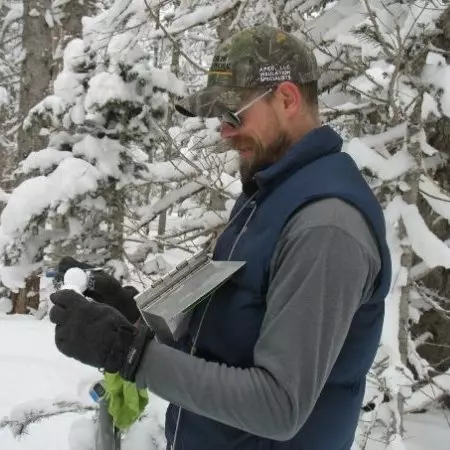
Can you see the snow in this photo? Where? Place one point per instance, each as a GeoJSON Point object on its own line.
{"type": "Point", "coordinates": [15, 13]}
{"type": "Point", "coordinates": [74, 54]}
{"type": "Point", "coordinates": [439, 75]}
{"type": "Point", "coordinates": [385, 168]}
{"type": "Point", "coordinates": [59, 3]}
{"type": "Point", "coordinates": [43, 160]}
{"type": "Point", "coordinates": [169, 171]}
{"type": "Point", "coordinates": [6, 305]}
{"type": "Point", "coordinates": [52, 104]}
{"type": "Point", "coordinates": [420, 16]}
{"type": "Point", "coordinates": [106, 87]}
{"type": "Point", "coordinates": [333, 17]}
{"type": "Point", "coordinates": [125, 15]}
{"type": "Point", "coordinates": [3, 196]}
{"type": "Point", "coordinates": [49, 20]}
{"type": "Point", "coordinates": [4, 96]}
{"type": "Point", "coordinates": [56, 378]}
{"type": "Point", "coordinates": [148, 213]}
{"type": "Point", "coordinates": [207, 220]}
{"type": "Point", "coordinates": [429, 106]}
{"type": "Point", "coordinates": [435, 59]}
{"type": "Point", "coordinates": [436, 198]}
{"type": "Point", "coordinates": [71, 178]}
{"type": "Point", "coordinates": [166, 80]}
{"type": "Point", "coordinates": [425, 244]}
{"type": "Point", "coordinates": [387, 136]}
{"type": "Point", "coordinates": [75, 279]}
{"type": "Point", "coordinates": [77, 113]}
{"type": "Point", "coordinates": [104, 153]}
{"type": "Point", "coordinates": [389, 337]}
{"type": "Point", "coordinates": [429, 393]}
{"type": "Point", "coordinates": [34, 13]}
{"type": "Point", "coordinates": [123, 49]}
{"type": "Point", "coordinates": [200, 15]}
{"type": "Point", "coordinates": [373, 78]}
{"type": "Point", "coordinates": [346, 24]}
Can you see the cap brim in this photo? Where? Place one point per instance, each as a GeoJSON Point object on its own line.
{"type": "Point", "coordinates": [211, 102]}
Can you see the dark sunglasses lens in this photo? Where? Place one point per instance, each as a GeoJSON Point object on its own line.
{"type": "Point", "coordinates": [231, 119]}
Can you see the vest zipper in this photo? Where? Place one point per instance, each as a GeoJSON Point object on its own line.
{"type": "Point", "coordinates": [243, 229]}
{"type": "Point", "coordinates": [251, 202]}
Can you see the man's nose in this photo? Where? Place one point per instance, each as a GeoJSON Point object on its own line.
{"type": "Point", "coordinates": [227, 131]}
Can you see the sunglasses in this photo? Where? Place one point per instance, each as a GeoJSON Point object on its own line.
{"type": "Point", "coordinates": [232, 118]}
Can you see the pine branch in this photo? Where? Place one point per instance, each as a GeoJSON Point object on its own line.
{"type": "Point", "coordinates": [376, 30]}
{"type": "Point", "coordinates": [173, 41]}
{"type": "Point", "coordinates": [21, 419]}
{"type": "Point", "coordinates": [424, 395]}
{"type": "Point", "coordinates": [197, 19]}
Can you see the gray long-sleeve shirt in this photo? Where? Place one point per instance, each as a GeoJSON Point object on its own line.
{"type": "Point", "coordinates": [323, 269]}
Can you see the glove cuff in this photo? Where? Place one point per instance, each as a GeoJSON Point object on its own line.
{"type": "Point", "coordinates": [133, 357]}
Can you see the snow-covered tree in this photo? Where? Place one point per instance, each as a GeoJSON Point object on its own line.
{"type": "Point", "coordinates": [106, 123]}
{"type": "Point", "coordinates": [10, 54]}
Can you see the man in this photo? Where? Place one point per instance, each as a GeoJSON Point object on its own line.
{"type": "Point", "coordinates": [277, 357]}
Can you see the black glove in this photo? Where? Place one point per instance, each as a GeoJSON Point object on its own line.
{"type": "Point", "coordinates": [103, 288]}
{"type": "Point", "coordinates": [96, 334]}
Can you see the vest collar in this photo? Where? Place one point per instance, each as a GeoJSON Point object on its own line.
{"type": "Point", "coordinates": [317, 143]}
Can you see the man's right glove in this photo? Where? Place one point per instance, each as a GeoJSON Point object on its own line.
{"type": "Point", "coordinates": [97, 335]}
{"type": "Point", "coordinates": [103, 288]}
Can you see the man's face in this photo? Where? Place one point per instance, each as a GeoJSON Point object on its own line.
{"type": "Point", "coordinates": [261, 139]}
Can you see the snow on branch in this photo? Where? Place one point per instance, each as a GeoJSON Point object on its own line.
{"type": "Point", "coordinates": [346, 109]}
{"type": "Point", "coordinates": [424, 242]}
{"type": "Point", "coordinates": [384, 138]}
{"type": "Point", "coordinates": [14, 14]}
{"type": "Point", "coordinates": [435, 197]}
{"type": "Point", "coordinates": [167, 171]}
{"type": "Point", "coordinates": [3, 196]}
{"type": "Point", "coordinates": [421, 269]}
{"type": "Point", "coordinates": [26, 414]}
{"type": "Point", "coordinates": [386, 169]}
{"type": "Point", "coordinates": [437, 387]}
{"type": "Point", "coordinates": [42, 160]}
{"type": "Point", "coordinates": [175, 196]}
{"type": "Point", "coordinates": [200, 16]}
{"type": "Point", "coordinates": [206, 223]}
{"type": "Point", "coordinates": [73, 177]}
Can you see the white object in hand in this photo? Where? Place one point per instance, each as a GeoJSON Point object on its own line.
{"type": "Point", "coordinates": [75, 279]}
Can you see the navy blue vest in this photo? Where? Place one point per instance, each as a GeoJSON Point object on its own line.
{"type": "Point", "coordinates": [314, 168]}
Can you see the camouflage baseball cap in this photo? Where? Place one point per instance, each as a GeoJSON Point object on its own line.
{"type": "Point", "coordinates": [253, 58]}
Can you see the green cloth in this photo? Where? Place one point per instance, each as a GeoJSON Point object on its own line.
{"type": "Point", "coordinates": [125, 401]}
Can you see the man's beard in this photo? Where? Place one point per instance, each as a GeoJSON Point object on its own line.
{"type": "Point", "coordinates": [262, 157]}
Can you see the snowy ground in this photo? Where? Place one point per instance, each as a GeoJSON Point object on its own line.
{"type": "Point", "coordinates": [32, 371]}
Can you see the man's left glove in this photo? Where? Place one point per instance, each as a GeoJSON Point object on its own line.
{"type": "Point", "coordinates": [103, 288]}
{"type": "Point", "coordinates": [97, 334]}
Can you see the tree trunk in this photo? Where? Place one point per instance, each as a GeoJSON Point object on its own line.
{"type": "Point", "coordinates": [115, 219]}
{"type": "Point", "coordinates": [35, 78]}
{"type": "Point", "coordinates": [36, 73]}
{"type": "Point", "coordinates": [6, 110]}
{"type": "Point", "coordinates": [71, 26]}
{"type": "Point", "coordinates": [174, 67]}
{"type": "Point", "coordinates": [27, 297]}
{"type": "Point", "coordinates": [411, 198]}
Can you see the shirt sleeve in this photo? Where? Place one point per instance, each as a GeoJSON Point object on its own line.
{"type": "Point", "coordinates": [320, 276]}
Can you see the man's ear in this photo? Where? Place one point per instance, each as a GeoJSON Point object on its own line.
{"type": "Point", "coordinates": [290, 97]}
